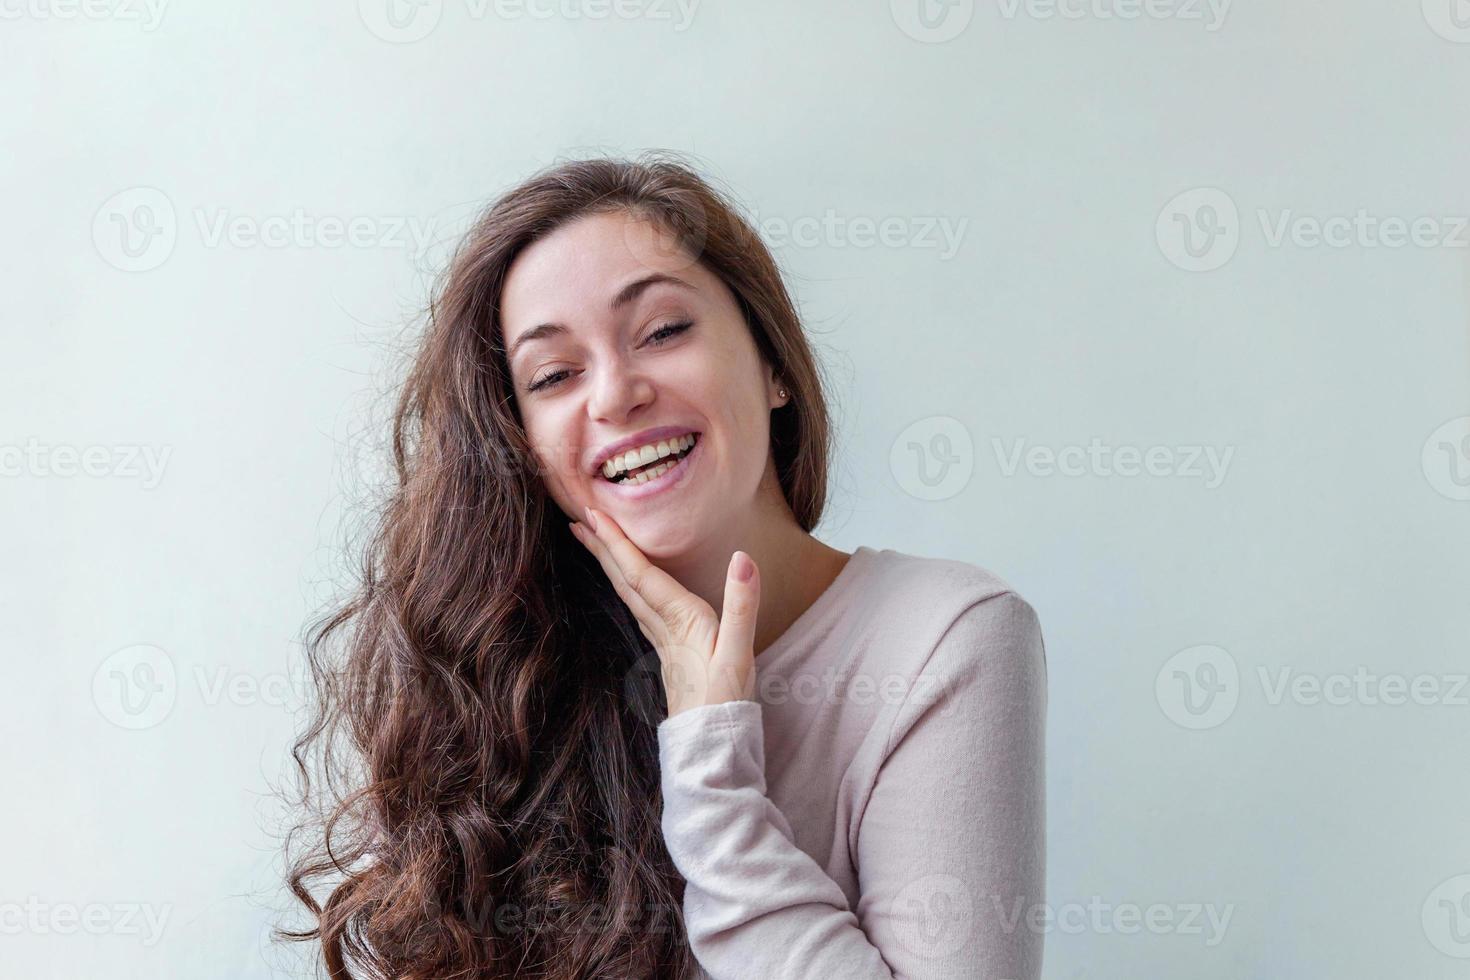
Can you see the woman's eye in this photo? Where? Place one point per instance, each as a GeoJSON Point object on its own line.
{"type": "Point", "coordinates": [658, 338]}
{"type": "Point", "coordinates": [549, 381]}
{"type": "Point", "coordinates": [672, 330]}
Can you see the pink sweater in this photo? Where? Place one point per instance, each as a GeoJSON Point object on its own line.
{"type": "Point", "coordinates": [879, 811]}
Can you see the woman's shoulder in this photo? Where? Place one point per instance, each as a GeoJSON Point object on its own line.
{"type": "Point", "coordinates": [947, 616]}
{"type": "Point", "coordinates": [960, 632]}
{"type": "Point", "coordinates": [933, 588]}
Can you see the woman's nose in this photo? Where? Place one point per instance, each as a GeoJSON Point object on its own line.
{"type": "Point", "coordinates": [617, 392]}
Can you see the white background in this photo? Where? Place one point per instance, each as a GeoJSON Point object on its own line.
{"type": "Point", "coordinates": [1072, 307]}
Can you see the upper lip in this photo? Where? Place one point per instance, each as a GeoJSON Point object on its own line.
{"type": "Point", "coordinates": [647, 436]}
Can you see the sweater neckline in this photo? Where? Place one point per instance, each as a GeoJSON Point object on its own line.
{"type": "Point", "coordinates": [817, 611]}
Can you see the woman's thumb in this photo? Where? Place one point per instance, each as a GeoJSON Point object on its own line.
{"type": "Point", "coordinates": [735, 643]}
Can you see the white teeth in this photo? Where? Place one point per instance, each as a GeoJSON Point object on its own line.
{"type": "Point", "coordinates": [652, 474]}
{"type": "Point", "coordinates": [644, 455]}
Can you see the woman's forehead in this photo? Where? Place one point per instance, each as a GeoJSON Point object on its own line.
{"type": "Point", "coordinates": [589, 271]}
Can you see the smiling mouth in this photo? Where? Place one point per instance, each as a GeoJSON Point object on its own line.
{"type": "Point", "coordinates": [655, 469]}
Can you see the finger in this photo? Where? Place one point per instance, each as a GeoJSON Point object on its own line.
{"type": "Point", "coordinates": [735, 643]}
{"type": "Point", "coordinates": [659, 590]}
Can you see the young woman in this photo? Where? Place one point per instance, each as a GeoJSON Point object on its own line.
{"type": "Point", "coordinates": [608, 708]}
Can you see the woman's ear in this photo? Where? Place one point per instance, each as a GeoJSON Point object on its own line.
{"type": "Point", "coordinates": [777, 393]}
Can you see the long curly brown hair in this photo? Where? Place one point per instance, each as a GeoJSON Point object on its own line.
{"type": "Point", "coordinates": [479, 775]}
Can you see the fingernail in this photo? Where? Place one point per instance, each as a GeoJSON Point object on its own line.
{"type": "Point", "coordinates": [744, 567]}
{"type": "Point", "coordinates": [590, 519]}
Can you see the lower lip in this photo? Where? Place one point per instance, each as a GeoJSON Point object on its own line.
{"type": "Point", "coordinates": [666, 481]}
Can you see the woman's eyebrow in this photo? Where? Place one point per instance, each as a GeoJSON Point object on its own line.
{"type": "Point", "coordinates": [624, 296]}
{"type": "Point", "coordinates": [631, 291]}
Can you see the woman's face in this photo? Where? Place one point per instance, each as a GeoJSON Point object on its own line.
{"type": "Point", "coordinates": [618, 361]}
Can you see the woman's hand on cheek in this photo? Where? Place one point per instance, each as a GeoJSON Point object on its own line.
{"type": "Point", "coordinates": [705, 659]}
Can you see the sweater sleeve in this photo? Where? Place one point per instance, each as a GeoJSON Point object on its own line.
{"type": "Point", "coordinates": [949, 846]}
